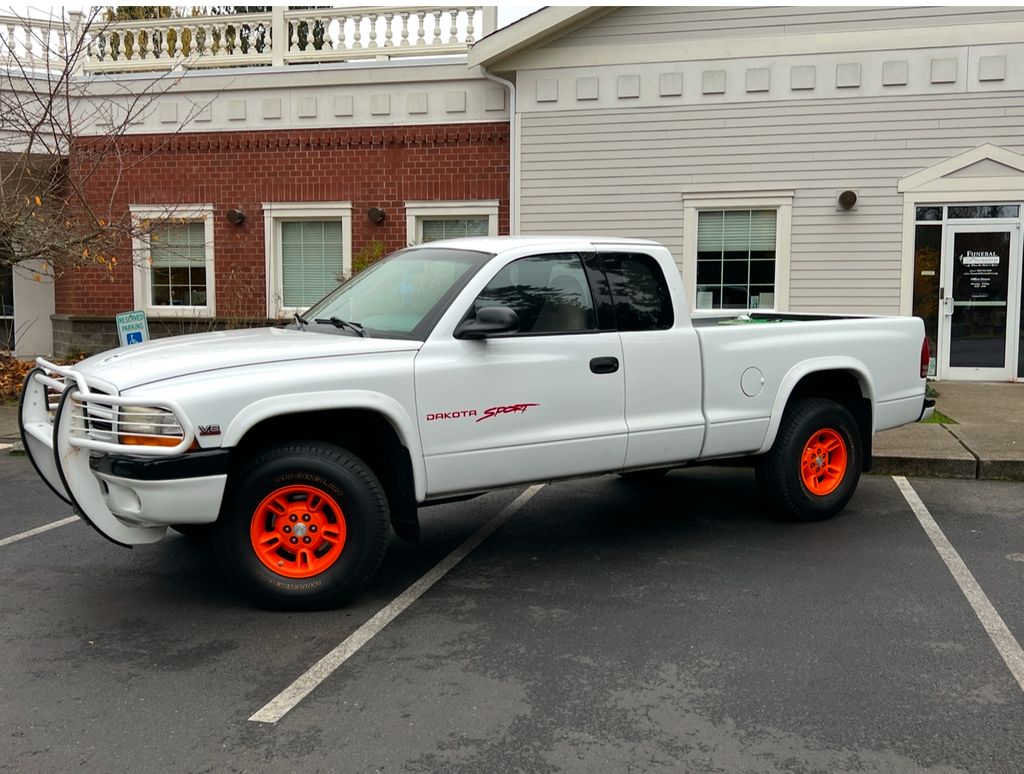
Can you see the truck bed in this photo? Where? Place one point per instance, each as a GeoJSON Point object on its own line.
{"type": "Point", "coordinates": [749, 368]}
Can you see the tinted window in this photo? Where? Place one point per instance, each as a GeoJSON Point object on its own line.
{"type": "Point", "coordinates": [548, 292]}
{"type": "Point", "coordinates": [639, 292]}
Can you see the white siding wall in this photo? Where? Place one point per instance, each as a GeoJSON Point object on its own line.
{"type": "Point", "coordinates": [639, 25]}
{"type": "Point", "coordinates": [623, 172]}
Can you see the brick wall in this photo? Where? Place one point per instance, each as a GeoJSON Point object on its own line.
{"type": "Point", "coordinates": [379, 167]}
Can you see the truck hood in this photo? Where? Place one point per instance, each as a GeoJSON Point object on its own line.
{"type": "Point", "coordinates": [154, 361]}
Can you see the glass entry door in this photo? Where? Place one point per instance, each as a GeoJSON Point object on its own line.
{"type": "Point", "coordinates": [980, 302]}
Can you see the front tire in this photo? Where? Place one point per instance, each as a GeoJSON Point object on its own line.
{"type": "Point", "coordinates": [305, 528]}
{"type": "Point", "coordinates": [814, 466]}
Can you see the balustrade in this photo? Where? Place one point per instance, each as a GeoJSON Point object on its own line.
{"type": "Point", "coordinates": [277, 37]}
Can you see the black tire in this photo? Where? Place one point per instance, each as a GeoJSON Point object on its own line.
{"type": "Point", "coordinates": [652, 476]}
{"type": "Point", "coordinates": [824, 430]}
{"type": "Point", "coordinates": [303, 480]}
{"type": "Point", "coordinates": [198, 532]}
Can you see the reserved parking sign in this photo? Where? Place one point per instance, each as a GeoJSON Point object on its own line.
{"type": "Point", "coordinates": [132, 328]}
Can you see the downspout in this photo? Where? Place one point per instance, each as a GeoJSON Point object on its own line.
{"type": "Point", "coordinates": [513, 149]}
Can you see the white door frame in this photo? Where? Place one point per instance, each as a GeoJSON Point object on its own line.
{"type": "Point", "coordinates": [947, 303]}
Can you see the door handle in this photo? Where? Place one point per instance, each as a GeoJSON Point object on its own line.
{"type": "Point", "coordinates": [604, 365]}
{"type": "Point", "coordinates": [947, 306]}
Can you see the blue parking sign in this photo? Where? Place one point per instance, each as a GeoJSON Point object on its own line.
{"type": "Point", "coordinates": [132, 328]}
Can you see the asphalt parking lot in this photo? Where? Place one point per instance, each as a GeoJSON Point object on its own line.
{"type": "Point", "coordinates": [603, 627]}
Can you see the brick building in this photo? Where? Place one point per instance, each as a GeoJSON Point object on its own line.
{"type": "Point", "coordinates": [270, 171]}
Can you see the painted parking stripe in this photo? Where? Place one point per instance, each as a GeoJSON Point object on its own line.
{"type": "Point", "coordinates": [996, 628]}
{"type": "Point", "coordinates": [285, 701]}
{"type": "Point", "coordinates": [37, 531]}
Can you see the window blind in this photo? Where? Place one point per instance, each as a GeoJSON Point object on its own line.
{"type": "Point", "coordinates": [433, 229]}
{"type": "Point", "coordinates": [312, 260]}
{"type": "Point", "coordinates": [181, 244]}
{"type": "Point", "coordinates": [736, 231]}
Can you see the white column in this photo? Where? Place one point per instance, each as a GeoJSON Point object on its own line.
{"type": "Point", "coordinates": [279, 35]}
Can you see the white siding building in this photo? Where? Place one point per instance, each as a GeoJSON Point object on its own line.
{"type": "Point", "coordinates": [731, 134]}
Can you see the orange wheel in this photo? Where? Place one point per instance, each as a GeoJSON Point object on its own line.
{"type": "Point", "coordinates": [298, 531]}
{"type": "Point", "coordinates": [823, 462]}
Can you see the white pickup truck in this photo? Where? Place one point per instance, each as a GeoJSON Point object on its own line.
{"type": "Point", "coordinates": [447, 370]}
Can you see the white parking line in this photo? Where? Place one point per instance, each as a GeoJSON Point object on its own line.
{"type": "Point", "coordinates": [998, 632]}
{"type": "Point", "coordinates": [37, 531]}
{"type": "Point", "coordinates": [285, 701]}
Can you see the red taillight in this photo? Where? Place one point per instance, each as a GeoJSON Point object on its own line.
{"type": "Point", "coordinates": [926, 356]}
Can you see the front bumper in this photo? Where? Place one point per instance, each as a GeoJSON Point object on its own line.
{"type": "Point", "coordinates": [56, 410]}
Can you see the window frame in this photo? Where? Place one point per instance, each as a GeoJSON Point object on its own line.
{"type": "Point", "coordinates": [778, 200]}
{"type": "Point", "coordinates": [418, 211]}
{"type": "Point", "coordinates": [276, 213]}
{"type": "Point", "coordinates": [141, 252]}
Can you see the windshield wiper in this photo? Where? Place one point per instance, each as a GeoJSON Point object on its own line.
{"type": "Point", "coordinates": [337, 322]}
{"type": "Point", "coordinates": [300, 319]}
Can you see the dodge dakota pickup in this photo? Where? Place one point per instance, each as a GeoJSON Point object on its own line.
{"type": "Point", "coordinates": [446, 370]}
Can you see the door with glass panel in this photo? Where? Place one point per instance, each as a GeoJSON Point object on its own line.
{"type": "Point", "coordinates": [980, 307]}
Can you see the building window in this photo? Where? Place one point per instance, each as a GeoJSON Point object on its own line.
{"type": "Point", "coordinates": [927, 270]}
{"type": "Point", "coordinates": [308, 253]}
{"type": "Point", "coordinates": [177, 268]}
{"type": "Point", "coordinates": [431, 221]}
{"type": "Point", "coordinates": [736, 252]}
{"type": "Point", "coordinates": [312, 260]}
{"type": "Point", "coordinates": [6, 307]}
{"type": "Point", "coordinates": [174, 268]}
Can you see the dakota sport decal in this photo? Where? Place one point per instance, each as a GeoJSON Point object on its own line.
{"type": "Point", "coordinates": [488, 413]}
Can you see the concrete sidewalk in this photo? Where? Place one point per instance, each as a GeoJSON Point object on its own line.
{"type": "Point", "coordinates": [987, 441]}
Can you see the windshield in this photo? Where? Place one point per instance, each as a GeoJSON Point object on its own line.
{"type": "Point", "coordinates": [403, 295]}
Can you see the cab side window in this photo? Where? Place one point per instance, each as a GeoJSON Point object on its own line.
{"type": "Point", "coordinates": [639, 292]}
{"type": "Point", "coordinates": [549, 293]}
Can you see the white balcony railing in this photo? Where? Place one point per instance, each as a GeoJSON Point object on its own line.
{"type": "Point", "coordinates": [277, 37]}
{"type": "Point", "coordinates": [33, 44]}
{"type": "Point", "coordinates": [282, 37]}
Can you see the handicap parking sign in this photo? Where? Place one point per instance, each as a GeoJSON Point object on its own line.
{"type": "Point", "coordinates": [132, 328]}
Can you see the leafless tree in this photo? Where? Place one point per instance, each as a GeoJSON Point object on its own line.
{"type": "Point", "coordinates": [58, 130]}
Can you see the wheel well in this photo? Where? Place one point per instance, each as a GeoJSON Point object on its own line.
{"type": "Point", "coordinates": [845, 388]}
{"type": "Point", "coordinates": [367, 434]}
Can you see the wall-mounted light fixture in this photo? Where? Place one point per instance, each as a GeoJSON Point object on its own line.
{"type": "Point", "coordinates": [376, 214]}
{"type": "Point", "coordinates": [846, 200]}
{"type": "Point", "coordinates": [235, 217]}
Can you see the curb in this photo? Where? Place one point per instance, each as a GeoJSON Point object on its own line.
{"type": "Point", "coordinates": [935, 467]}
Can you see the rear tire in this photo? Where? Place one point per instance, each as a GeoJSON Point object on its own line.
{"type": "Point", "coordinates": [814, 466]}
{"type": "Point", "coordinates": [305, 528]}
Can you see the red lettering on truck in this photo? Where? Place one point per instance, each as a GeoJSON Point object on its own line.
{"type": "Point", "coordinates": [515, 408]}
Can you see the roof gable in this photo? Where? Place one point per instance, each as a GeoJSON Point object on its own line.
{"type": "Point", "coordinates": [986, 162]}
{"type": "Point", "coordinates": [548, 23]}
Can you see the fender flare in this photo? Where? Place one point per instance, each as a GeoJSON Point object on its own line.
{"type": "Point", "coordinates": [806, 368]}
{"type": "Point", "coordinates": [362, 400]}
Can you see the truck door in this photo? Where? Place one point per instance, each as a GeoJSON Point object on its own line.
{"type": "Point", "coordinates": [661, 359]}
{"type": "Point", "coordinates": [544, 402]}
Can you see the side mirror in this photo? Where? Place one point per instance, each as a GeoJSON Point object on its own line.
{"type": "Point", "coordinates": [489, 321]}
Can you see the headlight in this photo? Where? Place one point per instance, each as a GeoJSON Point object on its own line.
{"type": "Point", "coordinates": [148, 426]}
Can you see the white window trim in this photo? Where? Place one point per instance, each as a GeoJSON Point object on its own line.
{"type": "Point", "coordinates": [141, 258]}
{"type": "Point", "coordinates": [780, 201]}
{"type": "Point", "coordinates": [416, 212]}
{"type": "Point", "coordinates": [276, 213]}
